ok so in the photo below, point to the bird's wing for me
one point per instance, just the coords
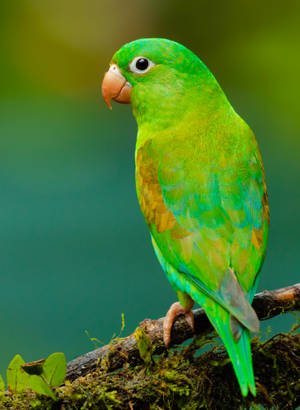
(225, 210)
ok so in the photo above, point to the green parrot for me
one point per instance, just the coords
(201, 187)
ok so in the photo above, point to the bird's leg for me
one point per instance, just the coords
(183, 307)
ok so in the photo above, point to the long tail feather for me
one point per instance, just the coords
(239, 351)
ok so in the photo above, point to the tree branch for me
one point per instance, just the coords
(267, 304)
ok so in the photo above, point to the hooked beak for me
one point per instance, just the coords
(115, 87)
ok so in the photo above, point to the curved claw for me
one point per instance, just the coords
(175, 310)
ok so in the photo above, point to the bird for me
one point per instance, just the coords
(201, 187)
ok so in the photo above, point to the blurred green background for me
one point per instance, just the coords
(75, 252)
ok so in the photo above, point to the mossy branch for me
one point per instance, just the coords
(130, 373)
(267, 304)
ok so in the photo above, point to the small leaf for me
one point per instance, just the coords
(17, 379)
(2, 384)
(54, 369)
(35, 367)
(144, 345)
(38, 385)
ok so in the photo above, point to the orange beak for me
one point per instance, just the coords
(115, 87)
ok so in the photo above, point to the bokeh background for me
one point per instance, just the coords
(75, 252)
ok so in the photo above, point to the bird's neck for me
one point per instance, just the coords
(188, 113)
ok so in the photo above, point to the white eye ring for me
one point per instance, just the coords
(142, 62)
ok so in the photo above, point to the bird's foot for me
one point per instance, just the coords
(175, 310)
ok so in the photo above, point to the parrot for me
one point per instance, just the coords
(201, 187)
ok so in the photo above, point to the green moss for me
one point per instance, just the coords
(182, 380)
(144, 345)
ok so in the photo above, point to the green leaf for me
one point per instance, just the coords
(34, 367)
(2, 384)
(38, 385)
(54, 369)
(17, 379)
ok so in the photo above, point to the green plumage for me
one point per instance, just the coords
(200, 184)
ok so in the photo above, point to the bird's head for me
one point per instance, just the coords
(157, 76)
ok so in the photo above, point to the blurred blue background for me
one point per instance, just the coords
(75, 252)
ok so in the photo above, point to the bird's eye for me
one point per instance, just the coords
(140, 65)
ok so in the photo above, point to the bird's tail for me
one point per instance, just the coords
(239, 351)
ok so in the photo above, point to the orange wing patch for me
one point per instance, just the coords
(258, 234)
(153, 205)
(149, 191)
(257, 237)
